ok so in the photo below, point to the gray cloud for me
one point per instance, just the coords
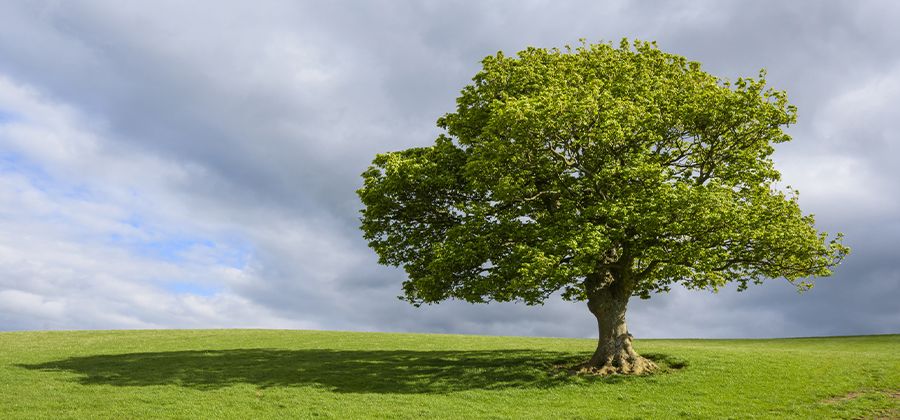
(238, 133)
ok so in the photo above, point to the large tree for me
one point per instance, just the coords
(600, 173)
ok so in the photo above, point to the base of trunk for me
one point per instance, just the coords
(628, 365)
(615, 355)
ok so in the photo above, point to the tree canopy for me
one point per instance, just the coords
(557, 163)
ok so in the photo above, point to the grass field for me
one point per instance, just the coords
(280, 374)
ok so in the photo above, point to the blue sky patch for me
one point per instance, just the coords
(40, 179)
(178, 248)
(188, 288)
(170, 249)
(6, 116)
(166, 248)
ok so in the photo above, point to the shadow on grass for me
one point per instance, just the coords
(374, 371)
(667, 363)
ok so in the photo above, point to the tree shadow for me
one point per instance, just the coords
(666, 362)
(356, 371)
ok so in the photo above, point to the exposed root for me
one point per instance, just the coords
(632, 365)
(616, 356)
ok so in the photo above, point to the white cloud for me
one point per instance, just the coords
(72, 253)
(844, 186)
(862, 118)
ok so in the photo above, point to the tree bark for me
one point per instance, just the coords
(614, 354)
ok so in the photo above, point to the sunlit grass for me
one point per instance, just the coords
(279, 374)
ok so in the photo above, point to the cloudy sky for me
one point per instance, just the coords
(176, 164)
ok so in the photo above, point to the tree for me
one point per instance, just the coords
(599, 173)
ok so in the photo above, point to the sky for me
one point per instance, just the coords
(176, 164)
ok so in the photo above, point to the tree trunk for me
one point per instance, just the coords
(614, 354)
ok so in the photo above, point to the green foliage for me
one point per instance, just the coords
(258, 374)
(559, 164)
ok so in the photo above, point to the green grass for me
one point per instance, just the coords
(281, 374)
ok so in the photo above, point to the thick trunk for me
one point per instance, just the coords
(614, 352)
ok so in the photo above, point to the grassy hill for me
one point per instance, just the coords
(302, 374)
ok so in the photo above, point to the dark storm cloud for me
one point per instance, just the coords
(270, 112)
